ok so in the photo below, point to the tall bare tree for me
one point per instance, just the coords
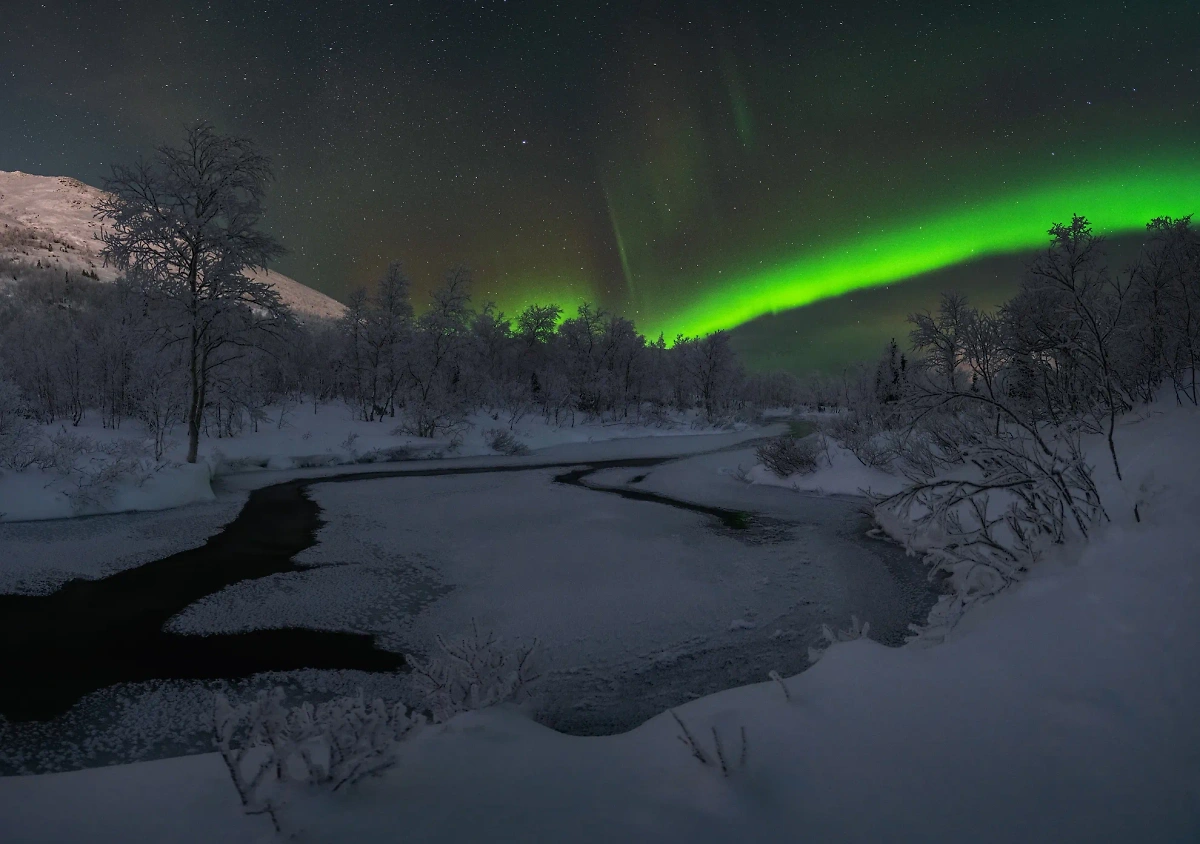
(184, 226)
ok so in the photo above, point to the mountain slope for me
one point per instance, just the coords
(47, 222)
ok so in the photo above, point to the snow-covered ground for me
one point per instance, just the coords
(300, 438)
(637, 605)
(1062, 711)
(40, 556)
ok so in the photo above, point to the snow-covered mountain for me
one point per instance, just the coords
(47, 221)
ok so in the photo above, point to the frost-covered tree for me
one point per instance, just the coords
(1070, 317)
(185, 227)
(434, 401)
(1165, 309)
(713, 368)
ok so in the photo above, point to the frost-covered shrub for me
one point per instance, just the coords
(864, 437)
(266, 745)
(502, 441)
(829, 636)
(91, 471)
(18, 435)
(785, 456)
(472, 672)
(1022, 490)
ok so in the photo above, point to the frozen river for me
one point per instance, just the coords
(646, 584)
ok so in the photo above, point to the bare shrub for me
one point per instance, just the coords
(785, 456)
(437, 415)
(498, 439)
(864, 436)
(1017, 491)
(472, 672)
(266, 745)
(18, 435)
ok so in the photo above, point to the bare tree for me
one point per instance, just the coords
(1071, 312)
(434, 402)
(713, 367)
(184, 227)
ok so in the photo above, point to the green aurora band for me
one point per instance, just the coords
(1120, 201)
(1119, 204)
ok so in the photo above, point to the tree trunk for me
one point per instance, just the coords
(193, 439)
(194, 413)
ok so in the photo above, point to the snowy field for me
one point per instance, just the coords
(637, 605)
(1061, 711)
(295, 437)
(39, 556)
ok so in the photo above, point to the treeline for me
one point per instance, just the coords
(191, 336)
(70, 346)
(433, 370)
(986, 414)
(1079, 344)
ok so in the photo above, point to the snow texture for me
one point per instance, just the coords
(38, 557)
(1061, 711)
(303, 439)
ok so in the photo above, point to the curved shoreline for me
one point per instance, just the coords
(91, 634)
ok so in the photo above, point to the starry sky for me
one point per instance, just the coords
(694, 165)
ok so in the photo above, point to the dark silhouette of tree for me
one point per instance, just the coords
(184, 227)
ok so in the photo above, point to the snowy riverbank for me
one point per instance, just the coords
(87, 480)
(1061, 711)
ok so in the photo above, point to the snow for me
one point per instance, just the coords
(301, 438)
(842, 473)
(1061, 711)
(59, 211)
(33, 495)
(631, 601)
(99, 805)
(40, 556)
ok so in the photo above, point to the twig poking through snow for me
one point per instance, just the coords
(774, 675)
(702, 756)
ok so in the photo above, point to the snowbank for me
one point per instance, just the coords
(33, 495)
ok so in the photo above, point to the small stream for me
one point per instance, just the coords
(92, 634)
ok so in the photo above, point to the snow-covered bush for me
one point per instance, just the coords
(829, 636)
(1016, 493)
(18, 436)
(864, 435)
(266, 745)
(502, 441)
(785, 455)
(471, 672)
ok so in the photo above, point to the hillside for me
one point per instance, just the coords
(48, 222)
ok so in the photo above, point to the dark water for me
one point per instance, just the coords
(92, 634)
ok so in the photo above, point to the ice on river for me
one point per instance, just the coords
(40, 556)
(637, 605)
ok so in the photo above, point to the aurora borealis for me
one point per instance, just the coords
(692, 165)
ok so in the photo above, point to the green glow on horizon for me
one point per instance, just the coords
(1121, 202)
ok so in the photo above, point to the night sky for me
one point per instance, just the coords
(694, 166)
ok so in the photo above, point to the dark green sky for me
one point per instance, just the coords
(694, 165)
